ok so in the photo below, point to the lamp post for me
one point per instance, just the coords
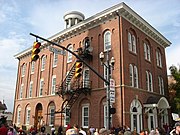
(109, 65)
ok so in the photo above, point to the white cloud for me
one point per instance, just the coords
(8, 66)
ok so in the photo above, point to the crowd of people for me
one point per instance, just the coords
(76, 130)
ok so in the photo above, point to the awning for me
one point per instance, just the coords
(159, 102)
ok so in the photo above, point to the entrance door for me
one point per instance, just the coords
(38, 116)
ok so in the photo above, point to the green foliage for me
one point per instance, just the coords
(175, 72)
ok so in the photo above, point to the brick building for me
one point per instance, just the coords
(47, 91)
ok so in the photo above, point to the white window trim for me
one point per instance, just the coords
(69, 55)
(85, 106)
(32, 67)
(149, 81)
(23, 69)
(129, 41)
(55, 59)
(158, 58)
(107, 41)
(43, 63)
(137, 104)
(18, 116)
(28, 115)
(66, 117)
(30, 89)
(50, 116)
(132, 46)
(131, 75)
(161, 85)
(41, 86)
(136, 77)
(53, 87)
(21, 91)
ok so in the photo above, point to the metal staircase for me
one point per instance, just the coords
(71, 88)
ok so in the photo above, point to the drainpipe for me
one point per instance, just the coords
(121, 90)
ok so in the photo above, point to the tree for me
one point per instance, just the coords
(174, 87)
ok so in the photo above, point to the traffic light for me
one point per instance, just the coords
(35, 51)
(78, 69)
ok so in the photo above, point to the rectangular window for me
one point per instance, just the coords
(131, 75)
(23, 70)
(135, 77)
(30, 89)
(67, 116)
(21, 91)
(53, 85)
(43, 62)
(105, 116)
(18, 116)
(52, 119)
(129, 41)
(150, 82)
(55, 60)
(28, 111)
(133, 44)
(85, 116)
(70, 56)
(86, 82)
(41, 87)
(32, 67)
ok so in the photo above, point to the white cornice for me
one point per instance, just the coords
(120, 9)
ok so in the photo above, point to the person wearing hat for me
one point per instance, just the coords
(176, 130)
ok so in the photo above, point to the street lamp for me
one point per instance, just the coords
(109, 65)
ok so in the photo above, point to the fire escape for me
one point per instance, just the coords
(72, 87)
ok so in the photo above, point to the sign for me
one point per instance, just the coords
(175, 116)
(57, 51)
(112, 91)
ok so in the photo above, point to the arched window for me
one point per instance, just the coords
(55, 59)
(30, 89)
(32, 67)
(133, 76)
(41, 87)
(136, 115)
(161, 85)
(28, 112)
(51, 110)
(43, 62)
(21, 91)
(149, 81)
(53, 85)
(23, 69)
(132, 42)
(18, 120)
(107, 40)
(159, 58)
(147, 51)
(69, 55)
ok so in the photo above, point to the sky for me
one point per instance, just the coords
(18, 18)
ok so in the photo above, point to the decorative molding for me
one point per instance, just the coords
(107, 15)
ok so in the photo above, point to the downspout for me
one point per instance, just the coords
(120, 60)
